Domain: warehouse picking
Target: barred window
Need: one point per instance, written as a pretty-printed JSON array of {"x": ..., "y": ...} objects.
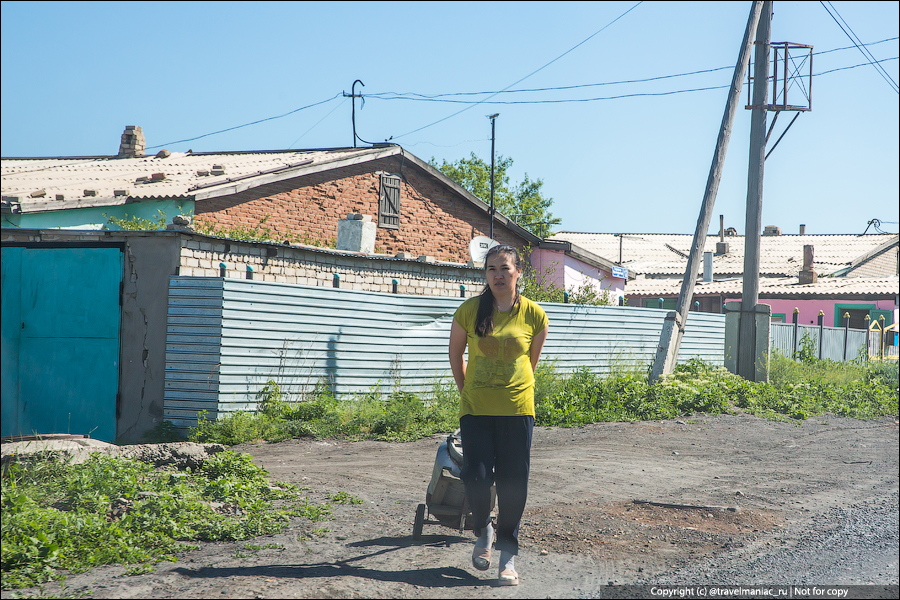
[{"x": 389, "y": 202}]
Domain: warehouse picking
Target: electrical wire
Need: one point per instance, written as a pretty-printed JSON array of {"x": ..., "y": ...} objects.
[
  {"x": 855, "y": 66},
  {"x": 413, "y": 96},
  {"x": 381, "y": 95},
  {"x": 856, "y": 42},
  {"x": 317, "y": 123},
  {"x": 571, "y": 100},
  {"x": 876, "y": 224},
  {"x": 446, "y": 145},
  {"x": 245, "y": 124},
  {"x": 522, "y": 79},
  {"x": 566, "y": 100}
]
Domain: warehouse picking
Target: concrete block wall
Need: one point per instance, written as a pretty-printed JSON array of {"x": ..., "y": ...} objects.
[
  {"x": 202, "y": 256},
  {"x": 434, "y": 219}
]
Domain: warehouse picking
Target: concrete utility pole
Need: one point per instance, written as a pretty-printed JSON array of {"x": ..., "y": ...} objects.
[
  {"x": 673, "y": 328},
  {"x": 746, "y": 345}
]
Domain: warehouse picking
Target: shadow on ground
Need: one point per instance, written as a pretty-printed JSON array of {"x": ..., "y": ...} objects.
[{"x": 438, "y": 577}]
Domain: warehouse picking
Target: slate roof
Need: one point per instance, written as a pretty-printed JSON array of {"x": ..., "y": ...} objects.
[
  {"x": 42, "y": 184},
  {"x": 665, "y": 255},
  {"x": 61, "y": 183},
  {"x": 774, "y": 287}
]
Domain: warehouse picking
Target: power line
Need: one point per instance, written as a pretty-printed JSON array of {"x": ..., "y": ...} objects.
[
  {"x": 416, "y": 98},
  {"x": 635, "y": 95},
  {"x": 855, "y": 66},
  {"x": 245, "y": 124},
  {"x": 855, "y": 40},
  {"x": 446, "y": 145},
  {"x": 522, "y": 79},
  {"x": 434, "y": 97},
  {"x": 382, "y": 95},
  {"x": 317, "y": 123},
  {"x": 851, "y": 47}
]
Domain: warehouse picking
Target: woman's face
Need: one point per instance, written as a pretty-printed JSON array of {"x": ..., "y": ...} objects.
[{"x": 502, "y": 274}]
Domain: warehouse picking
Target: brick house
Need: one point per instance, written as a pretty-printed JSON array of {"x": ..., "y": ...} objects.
[{"x": 300, "y": 195}]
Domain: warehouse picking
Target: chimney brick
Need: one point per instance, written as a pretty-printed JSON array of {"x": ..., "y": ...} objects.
[
  {"x": 132, "y": 143},
  {"x": 808, "y": 275}
]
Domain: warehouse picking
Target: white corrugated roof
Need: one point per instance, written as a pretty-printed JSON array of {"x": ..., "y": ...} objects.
[
  {"x": 39, "y": 184},
  {"x": 780, "y": 255}
]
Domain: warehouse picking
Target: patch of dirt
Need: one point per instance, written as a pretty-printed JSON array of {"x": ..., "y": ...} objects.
[
  {"x": 642, "y": 532},
  {"x": 582, "y": 529}
]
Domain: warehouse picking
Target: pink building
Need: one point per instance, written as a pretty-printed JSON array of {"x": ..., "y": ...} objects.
[{"x": 569, "y": 267}]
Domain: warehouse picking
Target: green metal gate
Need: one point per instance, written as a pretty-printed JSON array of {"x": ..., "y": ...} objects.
[{"x": 61, "y": 317}]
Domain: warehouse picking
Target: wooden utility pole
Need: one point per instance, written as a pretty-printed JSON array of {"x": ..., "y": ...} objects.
[
  {"x": 673, "y": 328},
  {"x": 746, "y": 346}
]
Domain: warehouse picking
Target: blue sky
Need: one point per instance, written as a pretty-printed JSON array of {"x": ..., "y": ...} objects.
[{"x": 75, "y": 74}]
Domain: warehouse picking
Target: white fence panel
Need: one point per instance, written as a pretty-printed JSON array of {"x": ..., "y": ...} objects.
[{"x": 782, "y": 339}]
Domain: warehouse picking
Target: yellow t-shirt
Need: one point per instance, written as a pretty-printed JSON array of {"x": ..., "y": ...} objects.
[{"x": 499, "y": 378}]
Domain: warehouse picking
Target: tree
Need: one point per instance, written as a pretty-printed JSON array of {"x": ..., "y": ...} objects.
[
  {"x": 538, "y": 286},
  {"x": 523, "y": 203}
]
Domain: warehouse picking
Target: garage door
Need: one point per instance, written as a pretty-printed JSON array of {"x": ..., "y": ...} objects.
[{"x": 60, "y": 340}]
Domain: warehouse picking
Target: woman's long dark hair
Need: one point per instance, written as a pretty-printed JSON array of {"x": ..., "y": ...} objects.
[{"x": 484, "y": 319}]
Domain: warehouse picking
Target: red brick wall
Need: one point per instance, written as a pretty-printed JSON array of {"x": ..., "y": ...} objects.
[{"x": 434, "y": 220}]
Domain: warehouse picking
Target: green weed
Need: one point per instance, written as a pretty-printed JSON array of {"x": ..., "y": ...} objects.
[
  {"x": 58, "y": 516},
  {"x": 344, "y": 498},
  {"x": 797, "y": 390},
  {"x": 134, "y": 223}
]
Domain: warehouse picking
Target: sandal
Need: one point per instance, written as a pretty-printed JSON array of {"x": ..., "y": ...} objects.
[
  {"x": 508, "y": 577},
  {"x": 481, "y": 558}
]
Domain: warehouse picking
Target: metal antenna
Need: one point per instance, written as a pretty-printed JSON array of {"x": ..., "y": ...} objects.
[
  {"x": 353, "y": 95},
  {"x": 493, "y": 118}
]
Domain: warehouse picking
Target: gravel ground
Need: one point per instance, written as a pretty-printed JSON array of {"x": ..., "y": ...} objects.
[
  {"x": 724, "y": 500},
  {"x": 853, "y": 545}
]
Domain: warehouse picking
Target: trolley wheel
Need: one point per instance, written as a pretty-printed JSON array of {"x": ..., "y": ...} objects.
[{"x": 420, "y": 522}]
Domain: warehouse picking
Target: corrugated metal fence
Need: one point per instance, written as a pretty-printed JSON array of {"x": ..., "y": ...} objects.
[
  {"x": 228, "y": 337},
  {"x": 832, "y": 337}
]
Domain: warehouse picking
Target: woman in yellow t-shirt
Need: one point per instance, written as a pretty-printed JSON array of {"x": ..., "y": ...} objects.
[{"x": 505, "y": 334}]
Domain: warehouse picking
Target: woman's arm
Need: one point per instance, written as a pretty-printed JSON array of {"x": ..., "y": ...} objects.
[
  {"x": 457, "y": 347},
  {"x": 537, "y": 344}
]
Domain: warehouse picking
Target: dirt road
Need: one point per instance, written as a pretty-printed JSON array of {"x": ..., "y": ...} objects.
[{"x": 765, "y": 484}]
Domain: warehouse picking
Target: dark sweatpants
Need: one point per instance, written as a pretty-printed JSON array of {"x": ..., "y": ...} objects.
[{"x": 497, "y": 449}]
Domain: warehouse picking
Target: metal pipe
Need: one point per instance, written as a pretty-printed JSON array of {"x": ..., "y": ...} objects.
[
  {"x": 796, "y": 321},
  {"x": 821, "y": 332},
  {"x": 493, "y": 119},
  {"x": 846, "y": 333},
  {"x": 353, "y": 100},
  {"x": 868, "y": 336}
]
